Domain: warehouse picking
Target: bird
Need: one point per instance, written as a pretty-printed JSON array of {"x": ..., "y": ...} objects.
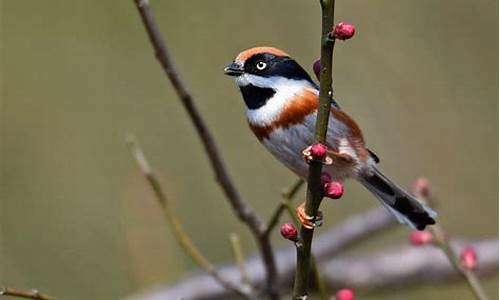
[{"x": 281, "y": 107}]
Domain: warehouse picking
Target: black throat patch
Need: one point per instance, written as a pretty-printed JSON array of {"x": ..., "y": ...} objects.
[{"x": 255, "y": 96}]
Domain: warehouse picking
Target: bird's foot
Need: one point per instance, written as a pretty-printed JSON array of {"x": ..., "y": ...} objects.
[{"x": 309, "y": 222}]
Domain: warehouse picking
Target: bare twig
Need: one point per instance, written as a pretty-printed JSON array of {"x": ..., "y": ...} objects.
[
  {"x": 33, "y": 294},
  {"x": 239, "y": 257},
  {"x": 177, "y": 229},
  {"x": 286, "y": 196},
  {"x": 239, "y": 204},
  {"x": 314, "y": 195}
]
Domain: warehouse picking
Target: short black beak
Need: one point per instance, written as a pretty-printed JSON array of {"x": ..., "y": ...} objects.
[{"x": 233, "y": 69}]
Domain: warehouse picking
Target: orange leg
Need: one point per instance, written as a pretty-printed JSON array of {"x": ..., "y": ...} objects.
[{"x": 308, "y": 221}]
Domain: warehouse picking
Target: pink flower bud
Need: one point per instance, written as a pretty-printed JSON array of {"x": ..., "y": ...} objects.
[
  {"x": 334, "y": 190},
  {"x": 318, "y": 151},
  {"x": 419, "y": 238},
  {"x": 345, "y": 294},
  {"x": 325, "y": 178},
  {"x": 317, "y": 68},
  {"x": 468, "y": 258},
  {"x": 289, "y": 232},
  {"x": 344, "y": 31},
  {"x": 421, "y": 187}
]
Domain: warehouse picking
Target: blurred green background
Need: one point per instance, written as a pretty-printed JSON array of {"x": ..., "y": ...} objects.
[{"x": 79, "y": 222}]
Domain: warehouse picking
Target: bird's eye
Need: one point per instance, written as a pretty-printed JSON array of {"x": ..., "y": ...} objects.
[{"x": 261, "y": 65}]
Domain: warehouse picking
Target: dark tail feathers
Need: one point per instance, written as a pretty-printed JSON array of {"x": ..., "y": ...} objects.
[{"x": 406, "y": 208}]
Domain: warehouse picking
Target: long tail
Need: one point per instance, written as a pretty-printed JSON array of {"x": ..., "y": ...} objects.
[{"x": 406, "y": 208}]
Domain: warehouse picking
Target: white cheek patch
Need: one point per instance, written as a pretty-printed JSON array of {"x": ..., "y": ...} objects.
[{"x": 286, "y": 90}]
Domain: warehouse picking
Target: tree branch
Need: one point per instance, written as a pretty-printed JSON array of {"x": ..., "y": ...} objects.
[
  {"x": 353, "y": 230},
  {"x": 34, "y": 294},
  {"x": 314, "y": 192},
  {"x": 238, "y": 203},
  {"x": 421, "y": 264},
  {"x": 378, "y": 271}
]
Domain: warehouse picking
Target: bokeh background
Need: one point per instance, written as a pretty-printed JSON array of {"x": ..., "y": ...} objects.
[{"x": 79, "y": 222}]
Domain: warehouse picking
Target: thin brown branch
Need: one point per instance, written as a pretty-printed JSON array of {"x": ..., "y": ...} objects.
[
  {"x": 314, "y": 193},
  {"x": 33, "y": 294},
  {"x": 239, "y": 204},
  {"x": 174, "y": 223}
]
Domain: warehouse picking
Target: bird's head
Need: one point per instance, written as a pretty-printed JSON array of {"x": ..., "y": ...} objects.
[{"x": 268, "y": 76}]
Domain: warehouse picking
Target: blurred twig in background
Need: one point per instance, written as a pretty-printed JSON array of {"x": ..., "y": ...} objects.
[
  {"x": 177, "y": 229},
  {"x": 421, "y": 189},
  {"x": 355, "y": 229},
  {"x": 234, "y": 239},
  {"x": 239, "y": 204},
  {"x": 376, "y": 271},
  {"x": 33, "y": 294}
]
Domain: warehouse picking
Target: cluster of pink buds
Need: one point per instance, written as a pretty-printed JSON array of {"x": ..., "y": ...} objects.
[
  {"x": 344, "y": 294},
  {"x": 468, "y": 258},
  {"x": 289, "y": 232},
  {"x": 420, "y": 238},
  {"x": 331, "y": 189},
  {"x": 318, "y": 152}
]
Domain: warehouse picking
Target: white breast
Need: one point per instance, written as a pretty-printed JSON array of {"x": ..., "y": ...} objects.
[{"x": 285, "y": 89}]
